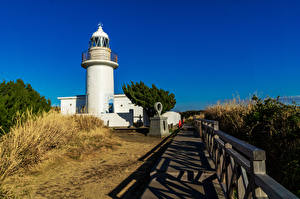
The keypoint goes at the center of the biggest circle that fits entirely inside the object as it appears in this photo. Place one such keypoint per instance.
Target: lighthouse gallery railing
(87, 56)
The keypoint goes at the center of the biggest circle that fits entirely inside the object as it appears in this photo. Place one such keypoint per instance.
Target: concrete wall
(68, 106)
(123, 105)
(117, 119)
(72, 105)
(125, 113)
(173, 117)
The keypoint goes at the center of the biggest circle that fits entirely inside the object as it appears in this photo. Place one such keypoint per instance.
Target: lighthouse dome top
(99, 39)
(100, 32)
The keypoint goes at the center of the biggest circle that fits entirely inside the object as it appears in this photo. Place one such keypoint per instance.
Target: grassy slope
(55, 156)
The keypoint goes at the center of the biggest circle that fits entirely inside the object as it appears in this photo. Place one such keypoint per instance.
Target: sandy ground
(93, 176)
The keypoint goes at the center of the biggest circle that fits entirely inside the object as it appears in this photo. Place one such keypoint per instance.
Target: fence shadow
(134, 185)
(184, 172)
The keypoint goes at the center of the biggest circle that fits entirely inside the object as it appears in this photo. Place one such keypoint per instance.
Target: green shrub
(15, 99)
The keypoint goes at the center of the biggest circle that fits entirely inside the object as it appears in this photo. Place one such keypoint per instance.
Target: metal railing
(240, 167)
(87, 56)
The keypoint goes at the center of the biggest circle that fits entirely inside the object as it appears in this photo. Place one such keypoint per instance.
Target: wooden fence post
(259, 167)
(216, 125)
(200, 129)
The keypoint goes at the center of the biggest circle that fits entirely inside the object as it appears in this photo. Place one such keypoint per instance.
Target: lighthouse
(99, 62)
(116, 110)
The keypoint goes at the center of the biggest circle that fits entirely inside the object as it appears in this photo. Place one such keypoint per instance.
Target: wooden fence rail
(240, 166)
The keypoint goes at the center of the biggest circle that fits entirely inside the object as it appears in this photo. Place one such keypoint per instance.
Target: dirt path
(93, 176)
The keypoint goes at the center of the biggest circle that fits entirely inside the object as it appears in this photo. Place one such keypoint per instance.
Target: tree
(144, 96)
(17, 98)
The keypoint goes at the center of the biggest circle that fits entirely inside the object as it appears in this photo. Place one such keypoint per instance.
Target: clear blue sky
(202, 51)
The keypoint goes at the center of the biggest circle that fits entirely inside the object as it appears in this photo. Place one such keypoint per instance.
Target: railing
(240, 167)
(87, 56)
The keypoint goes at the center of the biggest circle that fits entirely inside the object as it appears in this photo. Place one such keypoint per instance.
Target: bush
(15, 99)
(270, 125)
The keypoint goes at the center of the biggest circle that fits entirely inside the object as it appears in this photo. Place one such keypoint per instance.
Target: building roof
(119, 95)
(100, 32)
(71, 97)
(83, 96)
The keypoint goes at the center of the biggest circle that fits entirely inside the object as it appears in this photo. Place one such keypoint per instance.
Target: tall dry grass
(231, 114)
(47, 135)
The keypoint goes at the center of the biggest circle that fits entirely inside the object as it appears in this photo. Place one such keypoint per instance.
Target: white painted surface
(100, 33)
(126, 113)
(173, 117)
(100, 88)
(72, 105)
(117, 119)
(124, 105)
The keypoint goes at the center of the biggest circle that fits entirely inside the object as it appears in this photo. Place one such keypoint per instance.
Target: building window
(110, 107)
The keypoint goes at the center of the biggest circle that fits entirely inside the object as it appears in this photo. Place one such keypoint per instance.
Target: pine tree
(144, 96)
(16, 98)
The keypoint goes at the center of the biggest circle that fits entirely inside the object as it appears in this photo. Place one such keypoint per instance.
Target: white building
(100, 100)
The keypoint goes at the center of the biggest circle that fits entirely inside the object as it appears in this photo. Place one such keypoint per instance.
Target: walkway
(184, 171)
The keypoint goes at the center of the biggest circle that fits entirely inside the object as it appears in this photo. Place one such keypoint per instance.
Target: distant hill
(290, 99)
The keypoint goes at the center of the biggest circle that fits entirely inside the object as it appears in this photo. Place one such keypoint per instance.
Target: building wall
(72, 105)
(68, 106)
(117, 119)
(125, 112)
(124, 105)
(173, 117)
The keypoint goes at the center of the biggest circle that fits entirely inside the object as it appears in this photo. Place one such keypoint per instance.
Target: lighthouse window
(110, 107)
(93, 42)
(99, 42)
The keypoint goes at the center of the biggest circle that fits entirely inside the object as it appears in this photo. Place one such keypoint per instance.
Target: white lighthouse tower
(99, 62)
(116, 110)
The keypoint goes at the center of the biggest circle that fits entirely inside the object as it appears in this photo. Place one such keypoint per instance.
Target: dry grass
(231, 113)
(199, 116)
(45, 140)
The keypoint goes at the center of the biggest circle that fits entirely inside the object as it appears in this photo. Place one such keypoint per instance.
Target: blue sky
(202, 51)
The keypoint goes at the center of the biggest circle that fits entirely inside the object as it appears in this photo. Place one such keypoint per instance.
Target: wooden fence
(240, 167)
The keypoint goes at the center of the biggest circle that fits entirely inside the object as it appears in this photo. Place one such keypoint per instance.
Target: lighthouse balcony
(99, 54)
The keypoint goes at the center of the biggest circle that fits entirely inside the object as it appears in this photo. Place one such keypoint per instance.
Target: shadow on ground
(135, 184)
(141, 130)
(184, 171)
(178, 167)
